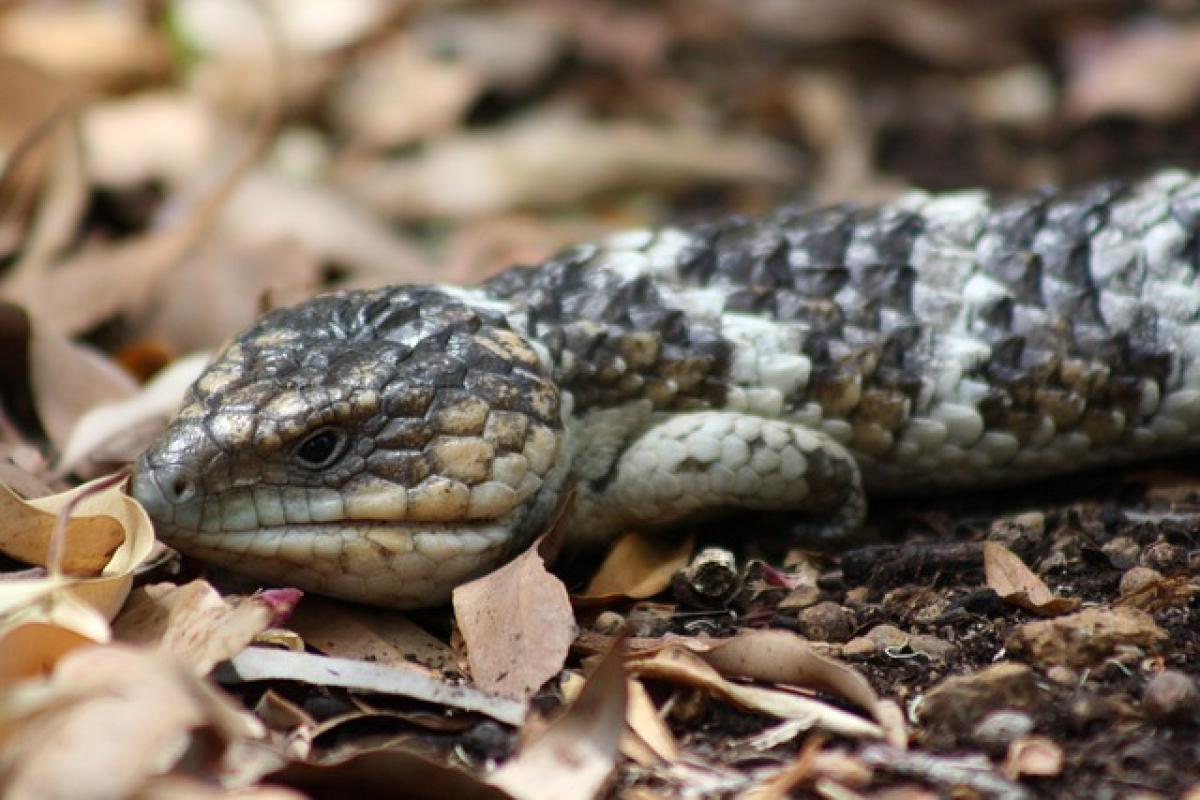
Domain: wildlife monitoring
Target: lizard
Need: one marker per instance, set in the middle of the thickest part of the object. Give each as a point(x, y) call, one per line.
point(386, 445)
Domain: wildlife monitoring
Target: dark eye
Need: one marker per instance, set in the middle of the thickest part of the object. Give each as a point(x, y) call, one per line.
point(320, 448)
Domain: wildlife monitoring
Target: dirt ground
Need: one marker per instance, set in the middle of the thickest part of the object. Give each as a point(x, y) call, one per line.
point(170, 170)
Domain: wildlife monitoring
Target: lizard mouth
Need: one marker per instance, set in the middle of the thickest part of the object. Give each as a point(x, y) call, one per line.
point(395, 564)
point(400, 563)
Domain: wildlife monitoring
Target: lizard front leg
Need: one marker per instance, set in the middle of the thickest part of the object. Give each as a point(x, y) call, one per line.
point(687, 466)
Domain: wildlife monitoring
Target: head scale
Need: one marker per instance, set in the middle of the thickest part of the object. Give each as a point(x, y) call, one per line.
point(381, 446)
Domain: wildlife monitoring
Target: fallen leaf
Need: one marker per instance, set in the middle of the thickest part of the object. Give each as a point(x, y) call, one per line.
point(194, 623)
point(107, 720)
point(119, 431)
point(111, 507)
point(401, 92)
point(378, 635)
point(330, 225)
point(784, 781)
point(1033, 755)
point(951, 774)
point(574, 755)
point(648, 726)
point(638, 565)
point(26, 531)
point(779, 656)
point(1008, 577)
point(1148, 72)
point(380, 773)
point(99, 45)
point(556, 158)
point(35, 102)
point(166, 136)
point(224, 27)
point(944, 34)
point(33, 640)
point(1161, 593)
point(223, 287)
point(405, 680)
point(68, 378)
point(1087, 638)
point(81, 291)
point(679, 665)
point(517, 624)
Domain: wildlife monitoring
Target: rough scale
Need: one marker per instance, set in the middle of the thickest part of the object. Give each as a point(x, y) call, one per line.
point(387, 445)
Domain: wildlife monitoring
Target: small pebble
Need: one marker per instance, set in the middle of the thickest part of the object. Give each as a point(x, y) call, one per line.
point(1122, 552)
point(1063, 676)
point(1165, 557)
point(826, 622)
point(857, 596)
point(1171, 696)
point(859, 647)
point(1000, 728)
point(1136, 579)
point(885, 636)
point(609, 623)
point(1085, 710)
point(1019, 533)
point(937, 650)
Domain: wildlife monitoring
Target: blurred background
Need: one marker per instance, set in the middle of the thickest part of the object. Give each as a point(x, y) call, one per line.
point(170, 169)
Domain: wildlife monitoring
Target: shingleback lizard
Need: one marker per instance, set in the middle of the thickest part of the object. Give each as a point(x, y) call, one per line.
point(387, 445)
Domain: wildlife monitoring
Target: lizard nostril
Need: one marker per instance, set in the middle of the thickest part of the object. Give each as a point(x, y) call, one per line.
point(177, 485)
point(181, 488)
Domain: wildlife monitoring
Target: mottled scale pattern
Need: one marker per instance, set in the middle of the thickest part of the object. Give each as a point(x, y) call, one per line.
point(441, 397)
point(776, 363)
point(997, 335)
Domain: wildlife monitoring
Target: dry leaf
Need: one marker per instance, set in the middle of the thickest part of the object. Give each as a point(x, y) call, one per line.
point(779, 656)
point(401, 92)
point(382, 636)
point(331, 226)
point(67, 379)
point(32, 642)
point(405, 680)
point(101, 45)
point(648, 726)
point(510, 48)
point(950, 34)
point(575, 754)
point(638, 565)
point(111, 506)
point(1148, 72)
point(680, 665)
point(153, 136)
point(225, 27)
point(1008, 577)
point(35, 102)
point(384, 773)
point(1033, 755)
point(556, 158)
point(225, 286)
point(108, 719)
point(517, 624)
point(26, 531)
point(119, 431)
point(197, 625)
point(1086, 638)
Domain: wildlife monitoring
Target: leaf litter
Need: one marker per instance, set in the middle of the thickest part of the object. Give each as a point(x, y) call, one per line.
point(166, 183)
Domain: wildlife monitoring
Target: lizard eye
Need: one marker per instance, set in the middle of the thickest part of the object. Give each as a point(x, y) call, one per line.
point(320, 448)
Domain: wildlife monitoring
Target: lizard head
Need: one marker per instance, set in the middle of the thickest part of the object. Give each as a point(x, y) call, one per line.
point(381, 446)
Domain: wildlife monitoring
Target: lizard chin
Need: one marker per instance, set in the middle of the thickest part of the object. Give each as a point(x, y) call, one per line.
point(399, 565)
